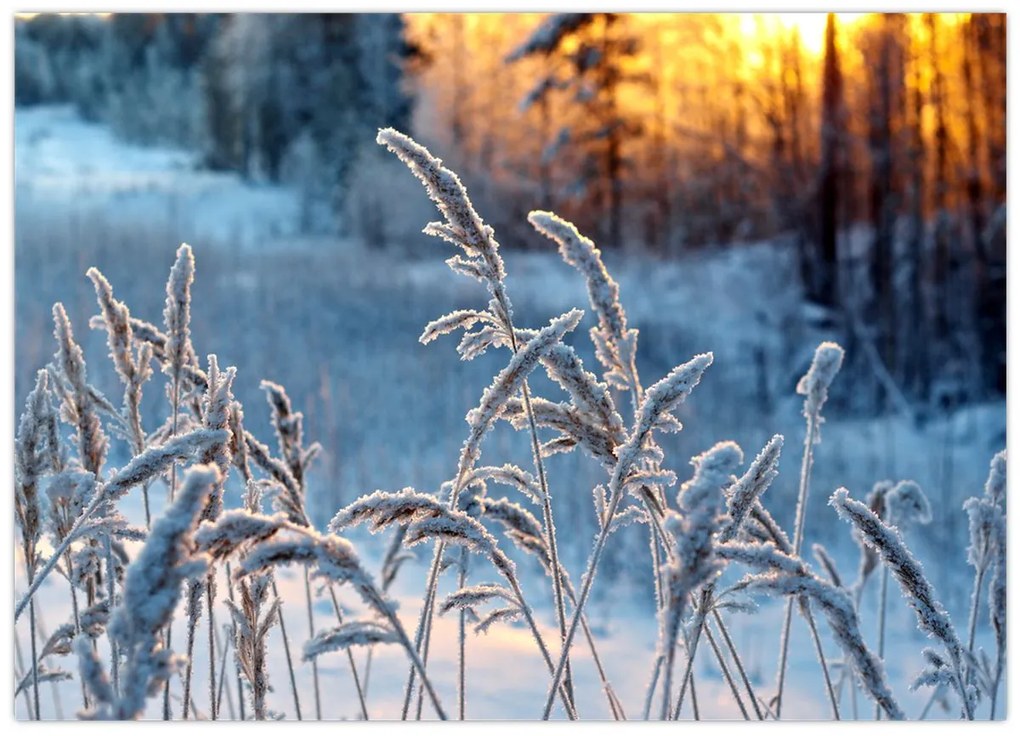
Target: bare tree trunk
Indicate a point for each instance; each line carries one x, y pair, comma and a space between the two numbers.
825, 281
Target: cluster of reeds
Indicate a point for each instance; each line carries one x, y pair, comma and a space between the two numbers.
126, 582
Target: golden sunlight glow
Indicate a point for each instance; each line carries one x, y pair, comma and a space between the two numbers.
809, 26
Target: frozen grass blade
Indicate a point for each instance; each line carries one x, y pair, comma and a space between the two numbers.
660, 400
814, 386
931, 616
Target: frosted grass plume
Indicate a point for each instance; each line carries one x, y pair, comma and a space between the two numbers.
692, 563
507, 383
347, 635
814, 385
659, 401
931, 616
615, 344
216, 407
178, 352
748, 489
463, 227
149, 464
785, 574
132, 364
232, 533
287, 424
907, 505
152, 587
335, 559
31, 461
79, 404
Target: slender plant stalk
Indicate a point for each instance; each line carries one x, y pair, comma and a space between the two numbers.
692, 650
462, 641
550, 533
221, 681
176, 391
739, 665
805, 476
694, 700
209, 590
111, 597
853, 695
350, 657
416, 661
77, 618
423, 623
311, 634
1000, 663
187, 702
286, 651
650, 694
35, 670
809, 617
726, 673
20, 661
54, 689
166, 687
233, 632
883, 598
568, 704
589, 578
614, 705
975, 603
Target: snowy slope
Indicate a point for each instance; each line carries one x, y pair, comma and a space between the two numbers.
62, 160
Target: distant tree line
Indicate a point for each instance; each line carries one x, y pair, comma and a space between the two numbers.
275, 97
882, 157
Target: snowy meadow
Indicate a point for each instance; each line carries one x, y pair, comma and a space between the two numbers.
628, 484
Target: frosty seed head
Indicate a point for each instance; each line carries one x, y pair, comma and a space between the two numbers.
907, 505
814, 385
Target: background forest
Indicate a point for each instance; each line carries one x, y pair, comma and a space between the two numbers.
877, 143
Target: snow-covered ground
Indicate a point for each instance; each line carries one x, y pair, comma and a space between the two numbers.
79, 166
337, 322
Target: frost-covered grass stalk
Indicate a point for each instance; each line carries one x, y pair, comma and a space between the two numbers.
428, 519
178, 353
30, 459
931, 616
133, 363
282, 542
465, 228
814, 386
525, 531
252, 448
288, 427
152, 587
216, 406
905, 505
592, 421
785, 574
742, 494
987, 551
659, 401
692, 564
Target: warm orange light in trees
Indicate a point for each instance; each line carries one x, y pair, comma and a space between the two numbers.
809, 26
